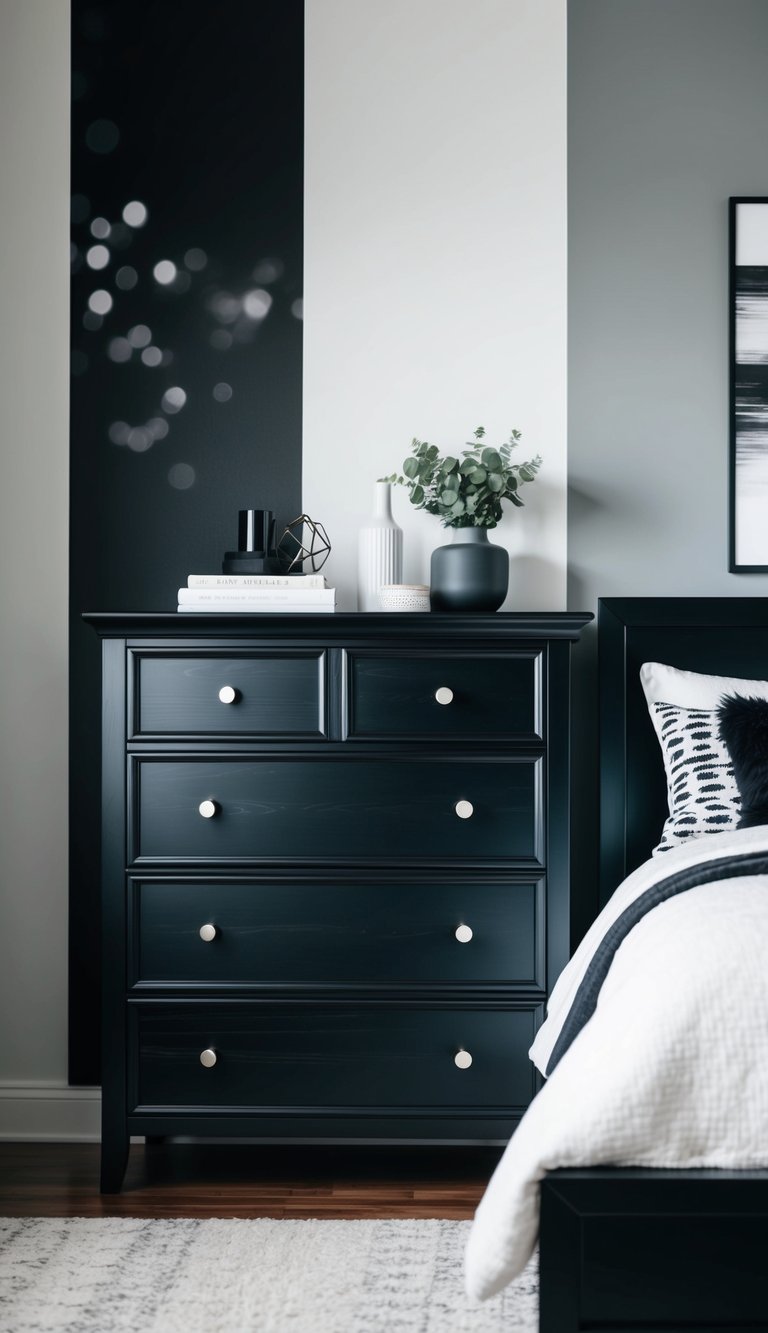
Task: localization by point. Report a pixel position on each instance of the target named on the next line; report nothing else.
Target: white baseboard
(50, 1111)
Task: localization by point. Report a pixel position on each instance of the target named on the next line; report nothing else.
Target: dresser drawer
(371, 1057)
(336, 934)
(436, 696)
(342, 809)
(227, 693)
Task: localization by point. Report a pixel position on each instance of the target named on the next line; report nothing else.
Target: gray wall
(668, 116)
(34, 280)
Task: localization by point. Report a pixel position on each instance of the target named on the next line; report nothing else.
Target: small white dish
(404, 597)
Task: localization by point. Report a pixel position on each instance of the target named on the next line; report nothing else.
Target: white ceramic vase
(380, 551)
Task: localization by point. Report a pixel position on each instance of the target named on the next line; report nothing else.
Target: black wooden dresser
(335, 873)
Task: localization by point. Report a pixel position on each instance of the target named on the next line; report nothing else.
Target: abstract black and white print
(750, 385)
(701, 787)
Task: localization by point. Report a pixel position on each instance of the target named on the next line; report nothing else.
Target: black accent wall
(186, 334)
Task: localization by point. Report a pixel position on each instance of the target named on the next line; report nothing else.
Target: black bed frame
(638, 1249)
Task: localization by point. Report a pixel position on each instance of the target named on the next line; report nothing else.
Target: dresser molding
(326, 1009)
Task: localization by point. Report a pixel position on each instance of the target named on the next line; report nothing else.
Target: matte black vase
(469, 575)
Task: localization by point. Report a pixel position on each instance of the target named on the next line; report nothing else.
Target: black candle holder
(256, 553)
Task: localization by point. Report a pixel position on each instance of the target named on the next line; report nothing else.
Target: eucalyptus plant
(467, 491)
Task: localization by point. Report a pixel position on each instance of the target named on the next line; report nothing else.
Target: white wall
(435, 262)
(34, 282)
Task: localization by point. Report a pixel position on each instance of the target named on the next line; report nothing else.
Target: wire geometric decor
(303, 540)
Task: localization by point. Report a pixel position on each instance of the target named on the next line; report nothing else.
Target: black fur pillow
(744, 729)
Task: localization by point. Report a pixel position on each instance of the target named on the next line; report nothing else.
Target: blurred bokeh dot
(119, 349)
(140, 335)
(100, 228)
(222, 392)
(195, 259)
(268, 270)
(225, 307)
(78, 362)
(102, 136)
(126, 278)
(151, 356)
(157, 427)
(256, 303)
(297, 309)
(221, 339)
(164, 272)
(97, 256)
(119, 432)
(92, 321)
(79, 208)
(100, 302)
(173, 399)
(135, 213)
(181, 283)
(181, 476)
(139, 440)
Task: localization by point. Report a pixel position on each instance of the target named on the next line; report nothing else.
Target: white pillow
(668, 685)
(701, 788)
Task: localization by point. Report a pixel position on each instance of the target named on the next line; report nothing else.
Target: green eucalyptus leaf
(515, 500)
(449, 464)
(411, 467)
(417, 495)
(458, 508)
(495, 482)
(511, 483)
(479, 475)
(491, 460)
(448, 497)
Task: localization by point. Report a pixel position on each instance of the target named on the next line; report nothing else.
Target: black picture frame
(748, 392)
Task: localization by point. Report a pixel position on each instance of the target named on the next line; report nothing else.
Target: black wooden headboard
(723, 636)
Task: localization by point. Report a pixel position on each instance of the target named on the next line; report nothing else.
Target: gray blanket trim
(585, 999)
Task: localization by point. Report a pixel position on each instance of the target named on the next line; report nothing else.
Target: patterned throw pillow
(701, 787)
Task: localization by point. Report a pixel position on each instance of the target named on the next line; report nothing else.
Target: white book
(259, 596)
(258, 608)
(256, 581)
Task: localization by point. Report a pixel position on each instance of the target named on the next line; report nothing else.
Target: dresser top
(344, 626)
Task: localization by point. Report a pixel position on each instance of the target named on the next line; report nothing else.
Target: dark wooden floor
(243, 1180)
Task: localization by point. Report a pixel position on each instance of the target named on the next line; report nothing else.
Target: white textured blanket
(670, 1070)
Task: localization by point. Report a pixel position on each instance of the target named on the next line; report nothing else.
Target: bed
(639, 1247)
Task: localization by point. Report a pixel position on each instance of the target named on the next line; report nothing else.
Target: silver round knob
(208, 809)
(463, 934)
(208, 1058)
(209, 932)
(462, 1059)
(464, 809)
(228, 694)
(444, 695)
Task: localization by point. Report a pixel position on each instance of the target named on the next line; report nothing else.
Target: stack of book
(296, 593)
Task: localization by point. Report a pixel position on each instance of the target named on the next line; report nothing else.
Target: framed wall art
(749, 385)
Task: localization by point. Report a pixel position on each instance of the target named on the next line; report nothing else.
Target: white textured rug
(87, 1275)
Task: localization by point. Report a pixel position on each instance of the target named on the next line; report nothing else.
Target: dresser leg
(114, 1158)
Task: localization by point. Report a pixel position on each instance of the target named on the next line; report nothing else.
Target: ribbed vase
(380, 551)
